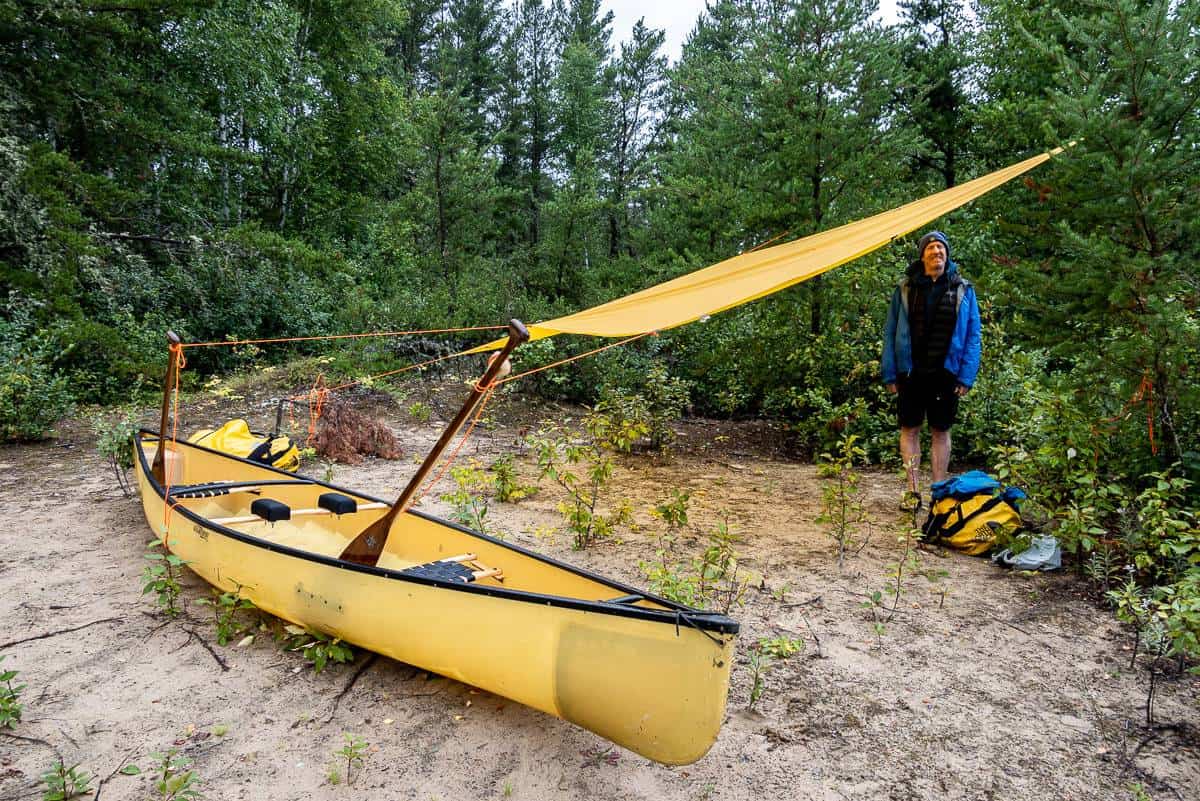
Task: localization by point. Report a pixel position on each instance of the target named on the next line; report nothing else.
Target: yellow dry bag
(969, 510)
(236, 438)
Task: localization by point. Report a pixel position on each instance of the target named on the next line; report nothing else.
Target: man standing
(931, 347)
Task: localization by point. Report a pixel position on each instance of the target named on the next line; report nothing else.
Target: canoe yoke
(455, 569)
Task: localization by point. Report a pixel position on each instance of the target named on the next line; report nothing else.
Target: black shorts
(931, 395)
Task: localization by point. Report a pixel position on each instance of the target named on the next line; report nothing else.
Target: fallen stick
(370, 660)
(120, 764)
(49, 634)
(207, 647)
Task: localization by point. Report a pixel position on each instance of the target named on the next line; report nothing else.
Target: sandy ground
(984, 685)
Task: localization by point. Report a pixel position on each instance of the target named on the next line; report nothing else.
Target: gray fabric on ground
(1042, 554)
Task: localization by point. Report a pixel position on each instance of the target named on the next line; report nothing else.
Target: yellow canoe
(644, 672)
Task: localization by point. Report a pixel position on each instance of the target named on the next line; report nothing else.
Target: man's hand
(961, 389)
(892, 388)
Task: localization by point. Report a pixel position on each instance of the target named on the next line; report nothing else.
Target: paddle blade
(367, 546)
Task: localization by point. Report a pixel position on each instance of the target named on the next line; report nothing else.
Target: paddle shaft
(157, 469)
(367, 546)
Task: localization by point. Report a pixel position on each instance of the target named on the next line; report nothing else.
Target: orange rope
(169, 506)
(576, 358)
(762, 245)
(425, 489)
(319, 393)
(316, 404)
(1147, 388)
(231, 343)
(1144, 391)
(392, 372)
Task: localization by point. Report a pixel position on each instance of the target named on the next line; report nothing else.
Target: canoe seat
(293, 513)
(271, 510)
(455, 569)
(337, 503)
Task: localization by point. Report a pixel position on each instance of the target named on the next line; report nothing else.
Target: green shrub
(114, 442)
(33, 396)
(656, 401)
(10, 698)
(583, 468)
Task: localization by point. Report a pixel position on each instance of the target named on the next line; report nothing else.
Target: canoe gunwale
(675, 614)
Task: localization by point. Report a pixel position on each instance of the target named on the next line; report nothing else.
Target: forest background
(246, 169)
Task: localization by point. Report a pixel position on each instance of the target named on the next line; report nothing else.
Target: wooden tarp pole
(157, 470)
(367, 546)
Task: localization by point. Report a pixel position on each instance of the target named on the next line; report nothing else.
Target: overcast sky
(677, 18)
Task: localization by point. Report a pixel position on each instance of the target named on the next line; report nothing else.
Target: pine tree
(1120, 281)
(637, 111)
(938, 46)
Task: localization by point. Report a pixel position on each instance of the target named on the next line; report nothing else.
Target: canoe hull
(652, 680)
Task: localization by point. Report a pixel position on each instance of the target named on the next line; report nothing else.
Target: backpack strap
(262, 453)
(960, 292)
(938, 527)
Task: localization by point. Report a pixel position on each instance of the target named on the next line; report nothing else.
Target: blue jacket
(962, 359)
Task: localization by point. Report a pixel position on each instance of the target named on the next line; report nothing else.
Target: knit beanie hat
(933, 236)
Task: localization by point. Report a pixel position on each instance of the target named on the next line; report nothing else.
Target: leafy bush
(114, 442)
(710, 580)
(33, 396)
(843, 508)
(656, 401)
(468, 501)
(560, 454)
(10, 698)
(318, 648)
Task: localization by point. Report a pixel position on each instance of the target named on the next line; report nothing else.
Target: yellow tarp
(759, 273)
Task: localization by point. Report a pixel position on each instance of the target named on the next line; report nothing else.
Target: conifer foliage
(280, 168)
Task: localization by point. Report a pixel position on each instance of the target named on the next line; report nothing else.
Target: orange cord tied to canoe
(425, 490)
(317, 396)
(180, 363)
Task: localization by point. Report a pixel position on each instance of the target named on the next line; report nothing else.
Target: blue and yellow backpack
(969, 510)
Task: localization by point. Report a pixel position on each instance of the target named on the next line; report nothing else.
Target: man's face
(934, 259)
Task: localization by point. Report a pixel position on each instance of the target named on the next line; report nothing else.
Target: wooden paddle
(367, 546)
(158, 469)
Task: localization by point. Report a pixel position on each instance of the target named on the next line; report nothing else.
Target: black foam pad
(446, 571)
(270, 510)
(337, 503)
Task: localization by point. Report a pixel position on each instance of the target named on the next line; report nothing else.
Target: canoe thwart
(626, 599)
(210, 491)
(229, 521)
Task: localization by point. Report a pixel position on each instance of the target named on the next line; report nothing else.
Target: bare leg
(940, 456)
(910, 453)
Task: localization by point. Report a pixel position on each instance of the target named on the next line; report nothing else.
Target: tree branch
(49, 634)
